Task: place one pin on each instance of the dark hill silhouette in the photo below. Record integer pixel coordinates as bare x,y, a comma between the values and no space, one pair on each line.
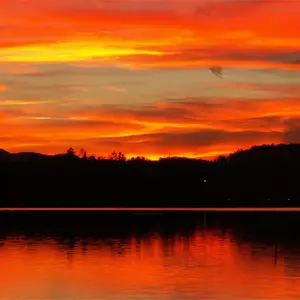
21,156
4,154
261,176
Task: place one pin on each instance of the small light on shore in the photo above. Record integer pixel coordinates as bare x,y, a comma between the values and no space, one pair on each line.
289,199
204,180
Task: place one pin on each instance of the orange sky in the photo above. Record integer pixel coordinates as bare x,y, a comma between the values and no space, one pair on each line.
132,75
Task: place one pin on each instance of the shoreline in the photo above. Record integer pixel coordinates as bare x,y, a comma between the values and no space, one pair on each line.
155,209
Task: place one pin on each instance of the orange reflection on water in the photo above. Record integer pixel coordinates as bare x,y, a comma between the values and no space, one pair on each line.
207,265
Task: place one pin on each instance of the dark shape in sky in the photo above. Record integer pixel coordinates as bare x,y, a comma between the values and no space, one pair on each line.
217,71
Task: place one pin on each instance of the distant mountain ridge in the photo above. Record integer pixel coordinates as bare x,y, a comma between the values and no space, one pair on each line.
255,152
5,155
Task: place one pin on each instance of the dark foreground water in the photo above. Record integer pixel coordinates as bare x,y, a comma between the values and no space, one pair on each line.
133,255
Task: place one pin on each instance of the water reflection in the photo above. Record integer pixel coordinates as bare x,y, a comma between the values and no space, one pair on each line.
94,255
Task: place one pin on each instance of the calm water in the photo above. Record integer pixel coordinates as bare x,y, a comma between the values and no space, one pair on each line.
133,255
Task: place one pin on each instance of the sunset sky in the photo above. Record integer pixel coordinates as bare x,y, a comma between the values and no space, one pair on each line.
133,75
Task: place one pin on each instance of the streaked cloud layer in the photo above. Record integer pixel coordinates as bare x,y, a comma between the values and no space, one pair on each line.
132,75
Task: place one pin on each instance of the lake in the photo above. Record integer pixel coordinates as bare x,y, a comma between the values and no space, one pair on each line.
149,255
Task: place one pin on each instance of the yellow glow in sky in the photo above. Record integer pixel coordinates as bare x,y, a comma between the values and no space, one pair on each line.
67,52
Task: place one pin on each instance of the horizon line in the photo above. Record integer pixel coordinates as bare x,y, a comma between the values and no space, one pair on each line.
157,158
163,209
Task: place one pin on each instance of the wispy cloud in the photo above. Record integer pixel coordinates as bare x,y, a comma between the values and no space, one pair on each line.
24,70
3,88
194,126
149,33
116,89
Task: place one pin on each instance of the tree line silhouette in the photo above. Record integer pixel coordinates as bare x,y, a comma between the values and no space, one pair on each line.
261,176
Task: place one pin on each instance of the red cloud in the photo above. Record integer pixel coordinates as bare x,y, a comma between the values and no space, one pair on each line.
191,127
